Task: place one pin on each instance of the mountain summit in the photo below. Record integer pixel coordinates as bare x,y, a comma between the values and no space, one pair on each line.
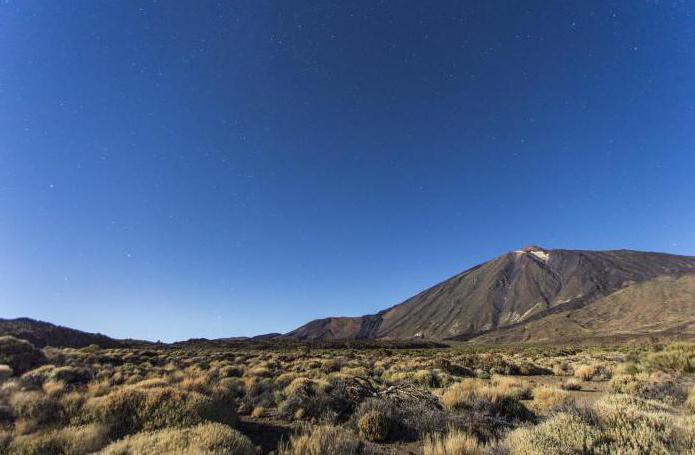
520,287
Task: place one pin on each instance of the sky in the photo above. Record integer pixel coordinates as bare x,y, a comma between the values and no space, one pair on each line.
174,169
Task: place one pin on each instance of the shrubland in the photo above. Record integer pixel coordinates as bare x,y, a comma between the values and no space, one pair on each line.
347,400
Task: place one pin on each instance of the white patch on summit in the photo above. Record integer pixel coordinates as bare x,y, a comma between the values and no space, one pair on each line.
542,255
539,253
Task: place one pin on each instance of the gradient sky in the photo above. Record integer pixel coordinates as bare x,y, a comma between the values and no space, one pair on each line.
177,169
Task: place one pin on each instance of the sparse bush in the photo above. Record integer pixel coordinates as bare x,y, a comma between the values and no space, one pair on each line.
321,440
205,438
20,355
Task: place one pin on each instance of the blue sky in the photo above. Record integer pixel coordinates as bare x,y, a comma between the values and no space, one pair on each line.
201,169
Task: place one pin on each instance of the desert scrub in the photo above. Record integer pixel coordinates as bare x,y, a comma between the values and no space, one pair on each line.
20,355
654,386
635,425
321,440
513,387
454,442
475,395
546,397
593,372
129,410
561,434
571,384
36,408
77,440
206,438
677,357
375,426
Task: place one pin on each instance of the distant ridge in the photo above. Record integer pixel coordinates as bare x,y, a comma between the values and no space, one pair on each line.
522,288
42,334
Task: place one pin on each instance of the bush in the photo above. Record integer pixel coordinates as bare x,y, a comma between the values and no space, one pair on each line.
205,438
69,441
489,400
36,407
129,410
656,386
677,358
561,434
321,440
549,397
375,426
20,355
593,372
452,443
571,384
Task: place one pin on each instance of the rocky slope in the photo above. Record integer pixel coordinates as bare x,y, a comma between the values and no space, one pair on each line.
513,289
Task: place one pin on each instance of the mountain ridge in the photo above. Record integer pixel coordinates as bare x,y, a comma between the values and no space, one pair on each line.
512,288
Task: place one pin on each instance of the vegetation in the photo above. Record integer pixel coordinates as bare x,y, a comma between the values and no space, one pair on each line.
304,399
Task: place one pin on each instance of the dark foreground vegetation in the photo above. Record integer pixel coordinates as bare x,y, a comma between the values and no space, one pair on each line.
299,399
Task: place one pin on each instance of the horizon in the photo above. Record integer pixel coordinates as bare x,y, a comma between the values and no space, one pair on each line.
171,172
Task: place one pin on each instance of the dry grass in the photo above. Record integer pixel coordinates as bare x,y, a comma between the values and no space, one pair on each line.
454,442
323,440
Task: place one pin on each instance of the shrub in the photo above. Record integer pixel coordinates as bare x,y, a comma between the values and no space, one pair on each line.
375,426
593,372
561,434
20,355
69,440
325,439
549,397
678,357
452,443
72,375
205,438
129,410
36,407
655,386
473,394
571,384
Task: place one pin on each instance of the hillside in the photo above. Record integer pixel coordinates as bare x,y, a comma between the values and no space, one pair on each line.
520,286
42,334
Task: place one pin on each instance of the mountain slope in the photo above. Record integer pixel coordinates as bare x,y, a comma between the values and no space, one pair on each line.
663,305
519,286
42,334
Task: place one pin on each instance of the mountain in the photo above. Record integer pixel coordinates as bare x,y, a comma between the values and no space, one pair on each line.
42,334
523,287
